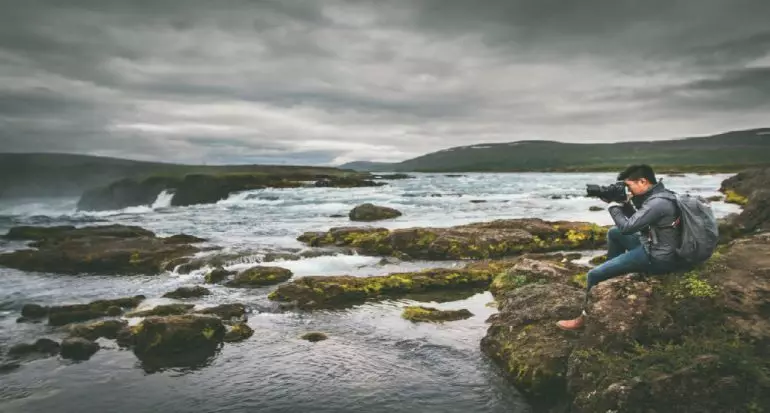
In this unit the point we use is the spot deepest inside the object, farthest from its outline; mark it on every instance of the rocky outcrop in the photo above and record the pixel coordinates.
(60, 315)
(205, 188)
(260, 276)
(111, 249)
(188, 292)
(179, 340)
(226, 312)
(238, 332)
(495, 239)
(687, 342)
(108, 329)
(371, 212)
(163, 310)
(345, 291)
(749, 189)
(42, 347)
(429, 314)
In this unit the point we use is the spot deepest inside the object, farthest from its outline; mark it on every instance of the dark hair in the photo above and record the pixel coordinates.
(636, 172)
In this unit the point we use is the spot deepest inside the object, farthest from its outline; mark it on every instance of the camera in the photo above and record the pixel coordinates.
(613, 193)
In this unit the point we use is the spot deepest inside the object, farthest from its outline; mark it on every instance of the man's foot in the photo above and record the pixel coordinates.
(571, 325)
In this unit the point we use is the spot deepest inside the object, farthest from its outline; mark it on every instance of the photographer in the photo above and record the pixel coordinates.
(646, 232)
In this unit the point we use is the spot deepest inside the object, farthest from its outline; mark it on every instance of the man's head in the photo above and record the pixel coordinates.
(638, 178)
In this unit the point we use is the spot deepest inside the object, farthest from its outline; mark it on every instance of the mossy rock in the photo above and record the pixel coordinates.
(34, 311)
(217, 275)
(733, 197)
(429, 314)
(109, 249)
(65, 314)
(173, 335)
(188, 292)
(371, 212)
(542, 270)
(260, 276)
(163, 310)
(107, 329)
(344, 291)
(43, 346)
(238, 332)
(486, 240)
(77, 348)
(598, 260)
(595, 208)
(226, 311)
(314, 337)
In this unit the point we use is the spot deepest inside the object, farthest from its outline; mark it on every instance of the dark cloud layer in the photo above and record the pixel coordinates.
(327, 82)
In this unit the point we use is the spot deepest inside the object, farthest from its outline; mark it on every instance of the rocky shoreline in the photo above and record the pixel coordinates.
(689, 342)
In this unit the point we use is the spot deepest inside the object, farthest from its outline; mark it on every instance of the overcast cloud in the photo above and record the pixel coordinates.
(327, 82)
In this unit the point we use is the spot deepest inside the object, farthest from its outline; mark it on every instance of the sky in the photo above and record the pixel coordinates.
(332, 81)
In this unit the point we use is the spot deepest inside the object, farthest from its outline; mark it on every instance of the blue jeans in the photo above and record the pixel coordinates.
(625, 254)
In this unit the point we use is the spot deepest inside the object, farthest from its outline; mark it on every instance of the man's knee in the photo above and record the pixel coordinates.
(613, 233)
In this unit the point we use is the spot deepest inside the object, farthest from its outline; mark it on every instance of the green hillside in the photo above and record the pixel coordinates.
(724, 152)
(39, 174)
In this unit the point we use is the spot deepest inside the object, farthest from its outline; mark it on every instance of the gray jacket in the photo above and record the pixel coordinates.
(656, 209)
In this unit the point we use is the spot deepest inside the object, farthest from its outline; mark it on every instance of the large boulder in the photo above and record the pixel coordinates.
(691, 342)
(495, 239)
(78, 348)
(260, 276)
(180, 340)
(107, 329)
(111, 249)
(749, 189)
(41, 347)
(371, 212)
(226, 312)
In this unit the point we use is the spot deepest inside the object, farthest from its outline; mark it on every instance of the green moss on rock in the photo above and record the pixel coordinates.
(429, 314)
(260, 276)
(163, 310)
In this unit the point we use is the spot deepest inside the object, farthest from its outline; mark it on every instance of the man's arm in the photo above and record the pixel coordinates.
(645, 216)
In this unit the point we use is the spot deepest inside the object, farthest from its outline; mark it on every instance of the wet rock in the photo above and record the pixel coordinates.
(599, 259)
(595, 208)
(478, 201)
(65, 314)
(163, 310)
(108, 329)
(260, 276)
(226, 311)
(314, 337)
(429, 314)
(34, 311)
(188, 292)
(217, 275)
(483, 240)
(111, 249)
(183, 239)
(78, 348)
(528, 270)
(337, 216)
(345, 291)
(9, 367)
(238, 332)
(124, 193)
(524, 340)
(43, 346)
(371, 212)
(715, 198)
(170, 335)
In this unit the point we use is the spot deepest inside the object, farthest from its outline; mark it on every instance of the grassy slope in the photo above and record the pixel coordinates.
(724, 152)
(65, 174)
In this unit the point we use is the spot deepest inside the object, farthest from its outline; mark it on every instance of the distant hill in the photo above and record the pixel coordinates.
(44, 174)
(723, 152)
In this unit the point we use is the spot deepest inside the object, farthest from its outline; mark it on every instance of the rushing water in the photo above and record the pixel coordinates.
(374, 361)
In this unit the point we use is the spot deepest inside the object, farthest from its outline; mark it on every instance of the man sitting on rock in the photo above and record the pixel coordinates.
(632, 246)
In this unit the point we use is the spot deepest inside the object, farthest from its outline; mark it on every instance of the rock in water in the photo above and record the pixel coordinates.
(260, 276)
(109, 249)
(226, 311)
(173, 335)
(217, 275)
(238, 332)
(162, 310)
(428, 314)
(314, 337)
(78, 348)
(107, 329)
(371, 212)
(188, 292)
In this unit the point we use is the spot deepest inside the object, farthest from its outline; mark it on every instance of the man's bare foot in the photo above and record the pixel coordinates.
(571, 325)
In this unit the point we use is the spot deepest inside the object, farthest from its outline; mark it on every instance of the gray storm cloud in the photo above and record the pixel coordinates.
(311, 82)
